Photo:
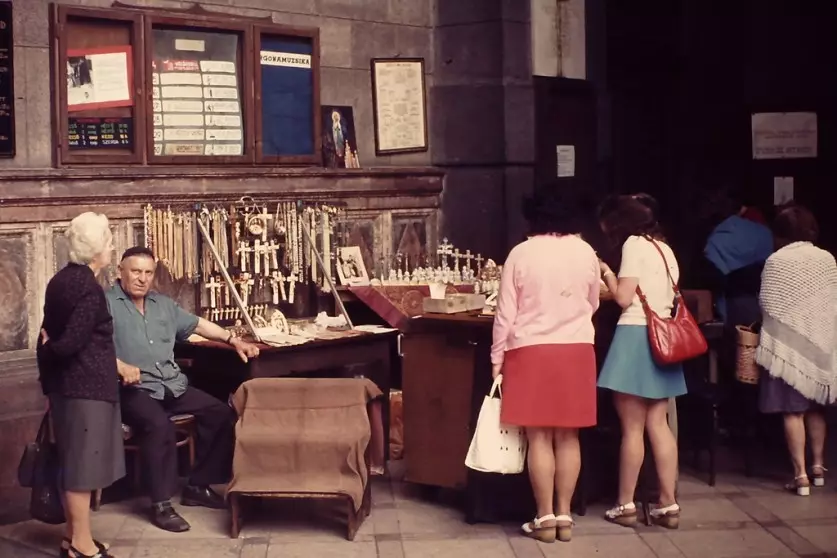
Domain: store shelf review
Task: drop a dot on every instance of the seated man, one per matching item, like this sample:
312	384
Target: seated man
146	325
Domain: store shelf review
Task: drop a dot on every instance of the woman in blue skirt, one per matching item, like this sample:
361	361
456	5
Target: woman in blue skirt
641	388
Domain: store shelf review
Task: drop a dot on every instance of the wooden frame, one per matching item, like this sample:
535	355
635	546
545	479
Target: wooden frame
8	147
244	61
314	36
143	22
384	150
59	20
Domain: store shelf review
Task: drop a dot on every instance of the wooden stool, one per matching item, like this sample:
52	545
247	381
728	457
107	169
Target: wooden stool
185	428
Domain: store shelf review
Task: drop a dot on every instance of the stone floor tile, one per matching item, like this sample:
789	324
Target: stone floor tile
343	549
191	548
661	545
821	536
736	543
18	550
795	541
458	548
715	510
254	550
789	507
525	547
621	546
390	549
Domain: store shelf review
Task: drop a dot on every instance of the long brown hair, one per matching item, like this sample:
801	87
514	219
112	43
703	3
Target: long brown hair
630	215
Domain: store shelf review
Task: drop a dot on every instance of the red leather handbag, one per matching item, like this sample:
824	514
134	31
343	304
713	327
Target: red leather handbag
675	339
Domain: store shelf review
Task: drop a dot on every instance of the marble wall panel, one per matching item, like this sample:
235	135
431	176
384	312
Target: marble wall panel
16	260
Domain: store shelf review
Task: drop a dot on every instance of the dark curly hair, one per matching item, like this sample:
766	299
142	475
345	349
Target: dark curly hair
552	212
630	215
795	223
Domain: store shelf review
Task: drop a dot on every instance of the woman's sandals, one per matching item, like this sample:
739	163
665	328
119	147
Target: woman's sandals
626	515
547	528
801	485
818	475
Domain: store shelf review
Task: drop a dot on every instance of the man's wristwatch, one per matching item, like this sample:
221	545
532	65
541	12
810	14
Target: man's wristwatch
229	339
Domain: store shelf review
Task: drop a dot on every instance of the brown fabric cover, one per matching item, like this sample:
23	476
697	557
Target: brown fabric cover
302	435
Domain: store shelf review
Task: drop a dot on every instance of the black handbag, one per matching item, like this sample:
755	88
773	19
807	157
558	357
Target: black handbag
38	469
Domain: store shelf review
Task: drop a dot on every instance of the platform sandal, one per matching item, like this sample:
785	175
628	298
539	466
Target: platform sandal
73	552
564	527
623	514
65	552
801	485
536	529
818	475
668	517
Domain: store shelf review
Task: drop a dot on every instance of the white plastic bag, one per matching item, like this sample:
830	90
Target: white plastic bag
496	448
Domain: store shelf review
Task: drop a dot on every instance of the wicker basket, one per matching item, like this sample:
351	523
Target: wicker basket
746	369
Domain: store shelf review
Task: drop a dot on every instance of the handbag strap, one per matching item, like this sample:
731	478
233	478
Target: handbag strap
43	430
495	387
668	273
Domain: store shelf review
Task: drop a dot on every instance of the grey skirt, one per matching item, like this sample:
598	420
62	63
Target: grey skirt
88	434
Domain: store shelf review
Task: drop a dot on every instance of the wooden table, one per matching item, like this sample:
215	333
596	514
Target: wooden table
216	368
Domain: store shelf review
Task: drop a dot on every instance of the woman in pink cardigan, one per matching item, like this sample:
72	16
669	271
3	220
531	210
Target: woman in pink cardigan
543	345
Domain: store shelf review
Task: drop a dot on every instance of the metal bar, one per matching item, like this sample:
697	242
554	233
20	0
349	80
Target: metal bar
228	280
326	274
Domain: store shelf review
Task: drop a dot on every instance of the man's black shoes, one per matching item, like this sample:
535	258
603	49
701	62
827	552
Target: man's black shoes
202	496
164	517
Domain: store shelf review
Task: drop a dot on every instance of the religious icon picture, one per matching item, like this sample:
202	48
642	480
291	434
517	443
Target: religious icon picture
350	267
339	139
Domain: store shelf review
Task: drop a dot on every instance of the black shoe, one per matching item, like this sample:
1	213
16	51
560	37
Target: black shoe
164	517
202	496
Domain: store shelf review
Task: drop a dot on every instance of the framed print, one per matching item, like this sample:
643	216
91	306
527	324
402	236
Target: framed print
339	138
399	105
350	267
99	78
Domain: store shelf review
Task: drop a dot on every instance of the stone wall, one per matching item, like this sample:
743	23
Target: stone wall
351	32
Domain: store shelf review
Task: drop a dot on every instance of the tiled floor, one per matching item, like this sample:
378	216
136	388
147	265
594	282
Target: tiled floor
740	518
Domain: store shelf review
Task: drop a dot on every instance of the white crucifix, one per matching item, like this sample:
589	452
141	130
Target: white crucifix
275	283
444	250
266	217
272	254
468	257
258	251
456	257
212	287
245	286
291	287
479	259
243	251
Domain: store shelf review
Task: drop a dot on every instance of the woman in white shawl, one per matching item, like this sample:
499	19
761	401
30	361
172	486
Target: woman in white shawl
798	343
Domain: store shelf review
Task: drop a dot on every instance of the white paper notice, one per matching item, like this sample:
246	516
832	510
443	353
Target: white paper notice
182	92
784	135
221	106
226	120
183	119
223	134
223	149
184	134
782	190
182	106
192	45
98	78
180	78
566	160
220	93
209	66
220	80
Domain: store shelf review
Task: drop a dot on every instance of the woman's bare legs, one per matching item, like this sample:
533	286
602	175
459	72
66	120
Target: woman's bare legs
815	426
567	466
795	438
664	448
542	468
632	413
77	509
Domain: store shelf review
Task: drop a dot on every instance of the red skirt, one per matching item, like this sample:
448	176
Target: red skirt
550	386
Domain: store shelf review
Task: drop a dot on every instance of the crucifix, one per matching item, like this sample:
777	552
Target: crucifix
246	285
272	254
291	287
243	251
226	290
468	257
456	258
444	250
213	286
277	286
258	252
266	217
479	259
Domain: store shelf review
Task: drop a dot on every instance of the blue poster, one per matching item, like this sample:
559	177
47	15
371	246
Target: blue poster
287	96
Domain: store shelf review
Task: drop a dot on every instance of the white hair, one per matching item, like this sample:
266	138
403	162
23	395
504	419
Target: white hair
88	234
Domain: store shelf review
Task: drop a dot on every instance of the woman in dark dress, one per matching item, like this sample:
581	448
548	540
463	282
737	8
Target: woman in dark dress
78	373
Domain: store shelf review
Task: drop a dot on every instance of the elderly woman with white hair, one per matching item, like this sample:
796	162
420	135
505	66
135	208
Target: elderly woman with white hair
79	375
